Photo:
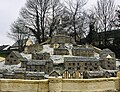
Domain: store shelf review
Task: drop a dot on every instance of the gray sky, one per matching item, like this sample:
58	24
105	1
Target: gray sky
9	11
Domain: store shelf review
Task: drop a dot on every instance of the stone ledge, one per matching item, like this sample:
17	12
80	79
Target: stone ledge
90	80
23	81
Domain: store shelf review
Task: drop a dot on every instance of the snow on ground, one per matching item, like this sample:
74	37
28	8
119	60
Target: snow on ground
46	48
9	67
57	59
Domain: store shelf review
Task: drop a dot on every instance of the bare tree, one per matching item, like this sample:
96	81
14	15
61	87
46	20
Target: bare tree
92	31
34	14
19	33
116	21
104	14
54	18
74	9
41	17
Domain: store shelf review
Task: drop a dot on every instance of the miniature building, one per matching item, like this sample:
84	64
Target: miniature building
2	71
40	66
19	73
61	50
55	73
81	63
107	59
34	75
68	74
40	56
105	52
13	58
9	75
29	42
23	63
33	48
80	51
93	74
61	38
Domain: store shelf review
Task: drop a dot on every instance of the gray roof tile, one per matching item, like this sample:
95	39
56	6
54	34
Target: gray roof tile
38	62
81	48
69	59
18	54
33	74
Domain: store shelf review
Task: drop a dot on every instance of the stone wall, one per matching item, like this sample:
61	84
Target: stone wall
60	85
92	85
23	85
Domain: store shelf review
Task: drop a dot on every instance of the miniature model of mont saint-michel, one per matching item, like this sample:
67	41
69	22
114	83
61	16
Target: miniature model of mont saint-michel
60	65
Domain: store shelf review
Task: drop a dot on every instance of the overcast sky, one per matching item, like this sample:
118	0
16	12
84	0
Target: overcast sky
9	11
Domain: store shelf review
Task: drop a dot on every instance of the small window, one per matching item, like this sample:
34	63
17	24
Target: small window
35	70
10	62
85	64
48	71
11	56
69	68
73	63
95	63
78	64
85	68
90	63
78	68
91	69
14	60
108	58
95	68
69	63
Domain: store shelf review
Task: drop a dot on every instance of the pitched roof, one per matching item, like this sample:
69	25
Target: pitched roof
95	73
3	47
83	49
9	74
38	62
18	55
20	70
106	51
108	56
33	74
58	72
69	59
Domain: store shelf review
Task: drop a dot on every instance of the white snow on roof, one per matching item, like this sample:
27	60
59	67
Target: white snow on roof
27	56
9	67
57	59
46	48
6	48
108	56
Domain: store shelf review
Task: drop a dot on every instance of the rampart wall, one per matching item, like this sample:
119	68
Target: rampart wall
61	85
